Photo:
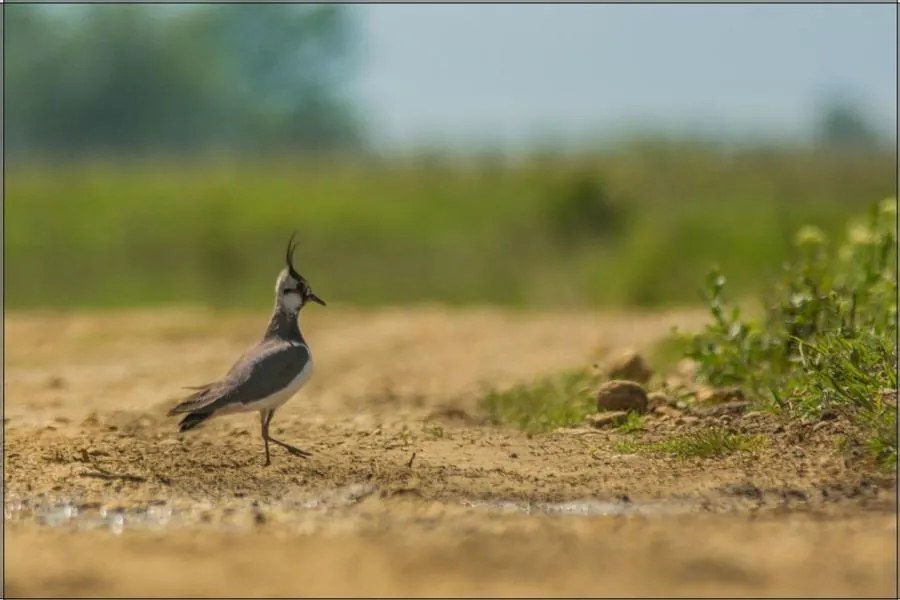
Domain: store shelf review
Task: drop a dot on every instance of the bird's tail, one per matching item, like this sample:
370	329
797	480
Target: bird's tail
203	396
197	406
193	419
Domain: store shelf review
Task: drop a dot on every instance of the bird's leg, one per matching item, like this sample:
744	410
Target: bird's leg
264	417
288	447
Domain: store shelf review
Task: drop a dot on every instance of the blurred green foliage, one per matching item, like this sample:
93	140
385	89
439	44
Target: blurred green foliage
170	231
112	78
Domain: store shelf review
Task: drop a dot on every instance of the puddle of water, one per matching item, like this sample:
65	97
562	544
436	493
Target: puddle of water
163	514
339	497
583	508
243	513
68	513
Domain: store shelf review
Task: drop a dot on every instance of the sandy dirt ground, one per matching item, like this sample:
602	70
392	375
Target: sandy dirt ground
408	491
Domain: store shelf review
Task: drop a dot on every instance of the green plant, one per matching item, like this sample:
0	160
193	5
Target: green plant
827	338
633	422
702	444
561	400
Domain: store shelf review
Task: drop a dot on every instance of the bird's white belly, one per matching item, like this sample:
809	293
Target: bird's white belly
277	399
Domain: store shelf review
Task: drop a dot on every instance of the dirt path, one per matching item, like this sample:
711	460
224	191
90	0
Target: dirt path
407	492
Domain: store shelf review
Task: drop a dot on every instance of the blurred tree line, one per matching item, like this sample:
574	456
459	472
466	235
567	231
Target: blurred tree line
843	123
124	78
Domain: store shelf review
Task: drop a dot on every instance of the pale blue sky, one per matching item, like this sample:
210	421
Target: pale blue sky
457	74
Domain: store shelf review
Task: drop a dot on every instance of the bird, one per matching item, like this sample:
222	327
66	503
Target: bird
269	373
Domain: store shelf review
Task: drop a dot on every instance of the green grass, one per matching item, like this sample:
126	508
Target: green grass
704	443
633	423
636	225
562	400
828	336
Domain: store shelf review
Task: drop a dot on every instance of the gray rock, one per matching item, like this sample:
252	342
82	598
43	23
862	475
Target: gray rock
610	418
735	407
658	399
708	395
622	395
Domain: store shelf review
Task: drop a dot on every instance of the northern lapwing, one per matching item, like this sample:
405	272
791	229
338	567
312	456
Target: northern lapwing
269	373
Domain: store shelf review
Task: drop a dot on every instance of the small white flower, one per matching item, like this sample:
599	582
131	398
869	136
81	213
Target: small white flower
809	235
860	235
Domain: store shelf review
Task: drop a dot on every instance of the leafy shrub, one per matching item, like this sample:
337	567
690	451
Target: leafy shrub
827	339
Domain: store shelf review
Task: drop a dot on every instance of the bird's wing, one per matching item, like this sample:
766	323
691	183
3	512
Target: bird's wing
259	373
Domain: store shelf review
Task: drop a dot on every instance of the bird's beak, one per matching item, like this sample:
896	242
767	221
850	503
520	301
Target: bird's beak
316	299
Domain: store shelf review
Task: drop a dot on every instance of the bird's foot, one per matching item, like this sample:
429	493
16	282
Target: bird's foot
297	451
292	449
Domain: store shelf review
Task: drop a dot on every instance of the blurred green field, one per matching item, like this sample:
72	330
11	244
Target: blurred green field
636	225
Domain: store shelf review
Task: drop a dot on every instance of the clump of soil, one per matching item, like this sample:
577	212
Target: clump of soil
629	365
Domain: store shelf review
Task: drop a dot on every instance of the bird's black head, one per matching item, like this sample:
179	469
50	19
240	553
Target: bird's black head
292	289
